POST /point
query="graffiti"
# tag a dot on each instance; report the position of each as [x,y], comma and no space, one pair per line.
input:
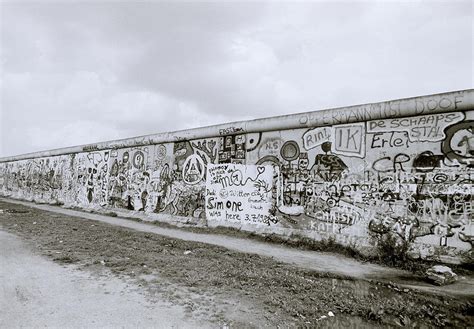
[404,227]
[349,140]
[443,103]
[389,139]
[427,161]
[92,178]
[230,177]
[177,186]
[352,114]
[459,143]
[45,180]
[173,197]
[230,130]
[293,178]
[420,128]
[290,151]
[129,177]
[252,141]
[232,149]
[270,147]
[327,166]
[138,160]
[268,159]
[193,170]
[239,194]
[182,150]
[393,108]
[209,148]
[315,137]
[391,164]
[160,151]
[407,176]
[90,148]
[160,188]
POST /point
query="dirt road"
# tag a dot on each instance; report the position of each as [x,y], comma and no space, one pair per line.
[219,286]
[324,262]
[36,292]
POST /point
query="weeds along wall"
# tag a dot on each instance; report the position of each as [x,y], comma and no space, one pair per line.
[355,174]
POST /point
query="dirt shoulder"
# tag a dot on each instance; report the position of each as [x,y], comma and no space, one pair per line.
[324,262]
[37,292]
[258,290]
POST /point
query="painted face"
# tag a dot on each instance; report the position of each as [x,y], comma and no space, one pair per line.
[303,163]
[92,172]
[125,157]
[465,146]
[239,139]
[138,159]
[160,152]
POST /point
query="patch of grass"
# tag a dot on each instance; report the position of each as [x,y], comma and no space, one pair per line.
[66,259]
[16,211]
[291,295]
[389,251]
[136,219]
[392,250]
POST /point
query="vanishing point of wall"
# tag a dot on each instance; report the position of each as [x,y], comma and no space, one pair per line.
[401,167]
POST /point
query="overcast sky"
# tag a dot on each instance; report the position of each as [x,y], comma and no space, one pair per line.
[83,72]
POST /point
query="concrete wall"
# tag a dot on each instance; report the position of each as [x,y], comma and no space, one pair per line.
[354,174]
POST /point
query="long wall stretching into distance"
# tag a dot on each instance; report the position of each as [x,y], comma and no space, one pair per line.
[355,174]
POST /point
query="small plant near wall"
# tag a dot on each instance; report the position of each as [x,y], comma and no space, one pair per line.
[392,249]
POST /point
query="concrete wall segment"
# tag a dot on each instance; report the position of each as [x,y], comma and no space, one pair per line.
[403,169]
[462,100]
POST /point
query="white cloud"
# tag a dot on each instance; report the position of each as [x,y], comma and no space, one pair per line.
[70,134]
[83,72]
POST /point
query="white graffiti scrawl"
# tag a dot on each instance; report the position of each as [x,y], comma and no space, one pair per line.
[239,193]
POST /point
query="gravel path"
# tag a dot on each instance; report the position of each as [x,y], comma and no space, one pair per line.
[323,262]
[36,292]
[316,261]
[223,280]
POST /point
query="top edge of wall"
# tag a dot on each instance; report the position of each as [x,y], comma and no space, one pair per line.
[461,100]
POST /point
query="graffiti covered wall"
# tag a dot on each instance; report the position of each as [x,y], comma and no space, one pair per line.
[354,180]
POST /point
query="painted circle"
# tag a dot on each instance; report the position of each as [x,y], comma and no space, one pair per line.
[440,178]
[138,159]
[160,152]
[193,169]
[451,144]
[223,193]
[253,140]
[331,202]
[290,151]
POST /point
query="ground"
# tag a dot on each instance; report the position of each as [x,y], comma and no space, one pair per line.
[189,283]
